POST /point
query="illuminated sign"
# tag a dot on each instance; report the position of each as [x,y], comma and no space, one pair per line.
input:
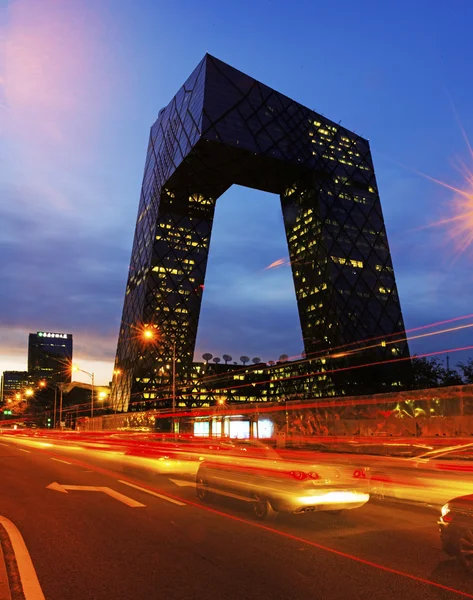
[52,335]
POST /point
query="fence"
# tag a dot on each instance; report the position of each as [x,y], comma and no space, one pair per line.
[446,412]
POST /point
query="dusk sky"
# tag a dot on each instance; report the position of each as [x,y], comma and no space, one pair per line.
[82,81]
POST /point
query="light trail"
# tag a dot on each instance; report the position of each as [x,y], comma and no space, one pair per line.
[321,402]
[272,530]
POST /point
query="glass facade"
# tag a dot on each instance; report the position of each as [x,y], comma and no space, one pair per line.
[50,356]
[223,128]
[12,381]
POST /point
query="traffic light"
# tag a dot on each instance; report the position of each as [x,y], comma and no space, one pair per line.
[49,422]
[7,412]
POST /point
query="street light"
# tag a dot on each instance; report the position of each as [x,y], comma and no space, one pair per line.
[149,334]
[174,387]
[92,376]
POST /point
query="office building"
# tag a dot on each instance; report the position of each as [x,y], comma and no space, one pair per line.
[223,128]
[50,357]
[13,381]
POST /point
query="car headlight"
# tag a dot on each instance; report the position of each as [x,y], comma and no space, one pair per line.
[445,510]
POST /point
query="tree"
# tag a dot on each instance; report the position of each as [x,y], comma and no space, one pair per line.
[256,360]
[467,370]
[271,363]
[216,360]
[207,356]
[245,359]
[451,377]
[426,373]
[227,358]
[283,358]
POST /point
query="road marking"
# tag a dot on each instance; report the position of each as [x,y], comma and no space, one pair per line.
[23,450]
[63,461]
[29,580]
[92,488]
[6,445]
[182,483]
[153,493]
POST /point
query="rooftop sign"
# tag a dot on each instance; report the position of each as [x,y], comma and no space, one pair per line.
[45,334]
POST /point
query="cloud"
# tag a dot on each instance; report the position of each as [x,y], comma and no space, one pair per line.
[51,53]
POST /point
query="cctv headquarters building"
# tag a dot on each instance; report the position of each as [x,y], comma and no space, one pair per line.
[222,128]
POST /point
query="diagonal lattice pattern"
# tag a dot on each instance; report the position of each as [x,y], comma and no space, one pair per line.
[224,127]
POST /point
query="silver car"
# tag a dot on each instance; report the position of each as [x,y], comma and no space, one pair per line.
[256,474]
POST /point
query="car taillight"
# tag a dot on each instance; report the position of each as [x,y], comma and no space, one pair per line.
[359,474]
[300,475]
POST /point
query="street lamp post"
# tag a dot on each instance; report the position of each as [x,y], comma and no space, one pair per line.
[60,407]
[149,335]
[92,397]
[92,376]
[174,387]
[55,406]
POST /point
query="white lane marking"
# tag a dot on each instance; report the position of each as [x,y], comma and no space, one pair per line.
[63,461]
[6,445]
[29,580]
[153,493]
[93,488]
[182,483]
[23,450]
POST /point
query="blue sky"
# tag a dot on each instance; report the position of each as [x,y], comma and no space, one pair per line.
[82,81]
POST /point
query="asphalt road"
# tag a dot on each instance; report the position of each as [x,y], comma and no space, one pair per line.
[90,545]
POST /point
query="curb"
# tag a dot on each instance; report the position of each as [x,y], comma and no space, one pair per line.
[19,578]
[4,581]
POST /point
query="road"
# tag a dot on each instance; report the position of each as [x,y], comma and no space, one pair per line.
[89,544]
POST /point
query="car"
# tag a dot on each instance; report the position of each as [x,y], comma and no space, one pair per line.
[430,478]
[258,475]
[168,457]
[456,529]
